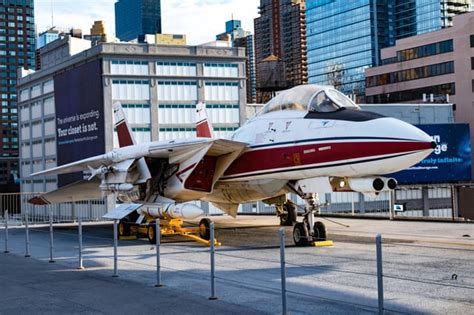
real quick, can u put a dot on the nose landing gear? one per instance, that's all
(310, 232)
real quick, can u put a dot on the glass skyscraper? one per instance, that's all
(345, 37)
(136, 18)
(17, 49)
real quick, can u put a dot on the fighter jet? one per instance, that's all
(306, 140)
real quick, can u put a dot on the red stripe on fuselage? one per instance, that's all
(301, 155)
(124, 136)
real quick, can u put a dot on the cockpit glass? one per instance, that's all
(340, 99)
(321, 103)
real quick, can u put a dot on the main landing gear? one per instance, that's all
(310, 232)
(287, 213)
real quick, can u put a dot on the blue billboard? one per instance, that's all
(450, 161)
(79, 102)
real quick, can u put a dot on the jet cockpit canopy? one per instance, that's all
(309, 98)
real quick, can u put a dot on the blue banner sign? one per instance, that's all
(80, 127)
(450, 162)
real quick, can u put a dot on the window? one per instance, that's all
(472, 40)
(472, 63)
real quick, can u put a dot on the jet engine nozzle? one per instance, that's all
(372, 184)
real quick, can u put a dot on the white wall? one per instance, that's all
(168, 68)
(134, 90)
(177, 91)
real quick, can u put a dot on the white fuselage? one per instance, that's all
(285, 146)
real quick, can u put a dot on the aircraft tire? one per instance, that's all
(319, 231)
(205, 228)
(124, 228)
(288, 215)
(151, 233)
(300, 234)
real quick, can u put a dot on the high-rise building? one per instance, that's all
(238, 37)
(136, 18)
(17, 49)
(345, 37)
(280, 31)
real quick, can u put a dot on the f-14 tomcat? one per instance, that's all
(306, 140)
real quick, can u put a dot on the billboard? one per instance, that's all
(79, 102)
(450, 161)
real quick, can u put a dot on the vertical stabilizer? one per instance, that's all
(124, 133)
(203, 125)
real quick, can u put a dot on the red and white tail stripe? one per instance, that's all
(203, 126)
(124, 133)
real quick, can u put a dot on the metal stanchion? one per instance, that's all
(27, 235)
(51, 241)
(115, 248)
(5, 216)
(378, 242)
(283, 271)
(158, 263)
(79, 233)
(213, 262)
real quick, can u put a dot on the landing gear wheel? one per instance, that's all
(319, 231)
(205, 229)
(151, 233)
(288, 215)
(300, 234)
(124, 228)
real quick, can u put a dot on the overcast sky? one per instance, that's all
(200, 20)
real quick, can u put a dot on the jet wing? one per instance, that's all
(175, 151)
(78, 191)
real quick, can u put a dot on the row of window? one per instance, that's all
(411, 74)
(129, 62)
(172, 63)
(194, 129)
(194, 106)
(222, 84)
(421, 51)
(411, 95)
(135, 105)
(130, 82)
(176, 64)
(221, 65)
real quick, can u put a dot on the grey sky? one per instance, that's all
(200, 20)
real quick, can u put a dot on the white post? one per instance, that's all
(352, 204)
(115, 248)
(5, 216)
(283, 271)
(51, 237)
(158, 263)
(27, 235)
(79, 234)
(378, 243)
(213, 262)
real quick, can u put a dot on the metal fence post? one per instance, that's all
(27, 235)
(283, 271)
(79, 234)
(115, 248)
(213, 262)
(51, 236)
(5, 216)
(378, 242)
(158, 263)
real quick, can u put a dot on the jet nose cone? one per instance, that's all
(433, 145)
